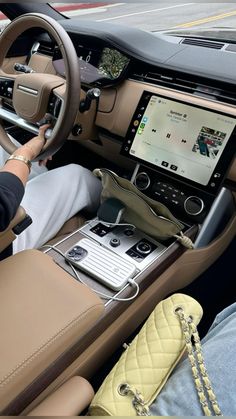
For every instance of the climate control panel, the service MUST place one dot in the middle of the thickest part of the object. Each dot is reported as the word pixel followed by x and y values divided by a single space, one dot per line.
pixel 184 202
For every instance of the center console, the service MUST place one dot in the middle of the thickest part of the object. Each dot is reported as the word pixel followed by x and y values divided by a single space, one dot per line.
pixel 182 154
pixel 114 254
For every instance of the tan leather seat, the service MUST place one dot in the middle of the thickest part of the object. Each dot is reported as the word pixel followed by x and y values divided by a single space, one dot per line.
pixel 44 312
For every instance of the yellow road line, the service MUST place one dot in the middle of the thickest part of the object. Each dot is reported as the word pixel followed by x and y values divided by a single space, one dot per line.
pixel 206 20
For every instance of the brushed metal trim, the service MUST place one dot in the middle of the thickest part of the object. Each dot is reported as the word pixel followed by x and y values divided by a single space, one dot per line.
pixel 148 183
pixel 16 120
pixel 201 208
pixel 22 123
pixel 27 90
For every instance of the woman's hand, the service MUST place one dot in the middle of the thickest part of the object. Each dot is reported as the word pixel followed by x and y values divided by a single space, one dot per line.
pixel 27 152
pixel 32 148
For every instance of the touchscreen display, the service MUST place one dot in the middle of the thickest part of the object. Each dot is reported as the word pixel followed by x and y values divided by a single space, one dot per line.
pixel 182 139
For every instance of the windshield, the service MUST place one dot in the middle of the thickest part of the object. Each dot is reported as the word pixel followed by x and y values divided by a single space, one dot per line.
pixel 217 19
pixel 209 20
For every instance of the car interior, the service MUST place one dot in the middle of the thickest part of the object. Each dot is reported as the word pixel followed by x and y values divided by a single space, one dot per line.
pixel 153 116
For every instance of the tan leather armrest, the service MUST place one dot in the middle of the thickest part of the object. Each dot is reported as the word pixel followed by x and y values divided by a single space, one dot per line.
pixel 43 312
pixel 69 400
pixel 7 236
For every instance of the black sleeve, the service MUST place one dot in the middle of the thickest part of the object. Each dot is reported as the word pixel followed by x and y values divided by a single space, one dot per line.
pixel 11 194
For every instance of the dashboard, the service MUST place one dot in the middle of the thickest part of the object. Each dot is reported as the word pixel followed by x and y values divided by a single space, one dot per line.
pixel 166 106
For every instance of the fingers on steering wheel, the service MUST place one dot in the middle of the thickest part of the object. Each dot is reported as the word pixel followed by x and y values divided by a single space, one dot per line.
pixel 42 131
pixel 43 128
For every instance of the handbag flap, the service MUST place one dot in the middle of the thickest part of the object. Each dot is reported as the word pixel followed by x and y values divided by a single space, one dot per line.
pixel 148 361
pixel 148 215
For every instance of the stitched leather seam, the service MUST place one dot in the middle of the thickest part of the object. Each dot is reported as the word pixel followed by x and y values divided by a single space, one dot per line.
pixel 7 378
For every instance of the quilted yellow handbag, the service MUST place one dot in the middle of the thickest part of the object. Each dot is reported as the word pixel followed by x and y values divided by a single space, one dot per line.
pixel 144 367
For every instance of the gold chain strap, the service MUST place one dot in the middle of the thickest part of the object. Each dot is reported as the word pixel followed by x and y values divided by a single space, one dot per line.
pixel 203 385
pixel 137 400
pixel 200 375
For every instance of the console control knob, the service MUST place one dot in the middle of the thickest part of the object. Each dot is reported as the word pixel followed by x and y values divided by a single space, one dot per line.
pixel 142 181
pixel 193 205
pixel 115 242
pixel 144 248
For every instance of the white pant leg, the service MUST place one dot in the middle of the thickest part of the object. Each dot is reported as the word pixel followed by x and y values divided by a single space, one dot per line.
pixel 35 169
pixel 52 198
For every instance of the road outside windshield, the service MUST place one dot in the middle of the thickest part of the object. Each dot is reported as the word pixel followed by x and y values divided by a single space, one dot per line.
pixel 151 16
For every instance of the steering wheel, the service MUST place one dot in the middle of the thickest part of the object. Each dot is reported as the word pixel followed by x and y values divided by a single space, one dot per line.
pixel 33 95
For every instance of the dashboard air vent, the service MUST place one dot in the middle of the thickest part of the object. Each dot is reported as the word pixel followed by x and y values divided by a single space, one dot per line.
pixel 203 43
pixel 195 86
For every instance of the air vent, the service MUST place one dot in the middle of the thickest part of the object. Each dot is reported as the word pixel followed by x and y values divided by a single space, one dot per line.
pixel 203 43
pixel 204 88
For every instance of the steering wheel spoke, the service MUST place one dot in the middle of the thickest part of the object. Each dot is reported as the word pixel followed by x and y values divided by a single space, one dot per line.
pixel 52 113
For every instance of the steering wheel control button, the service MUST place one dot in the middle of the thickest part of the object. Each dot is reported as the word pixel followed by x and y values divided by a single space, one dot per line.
pixel 54 105
pixel 142 181
pixel 6 88
pixel 193 205
pixel 114 242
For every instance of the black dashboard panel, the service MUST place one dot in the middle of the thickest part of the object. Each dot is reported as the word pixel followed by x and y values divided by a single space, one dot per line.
pixel 131 41
pixel 160 49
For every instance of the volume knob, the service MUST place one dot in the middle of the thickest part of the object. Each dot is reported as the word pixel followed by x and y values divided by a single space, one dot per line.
pixel 142 181
pixel 193 205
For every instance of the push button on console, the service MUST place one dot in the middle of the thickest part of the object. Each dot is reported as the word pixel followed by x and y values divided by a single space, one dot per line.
pixel 134 255
pixel 129 232
pixel 143 247
pixel 141 250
